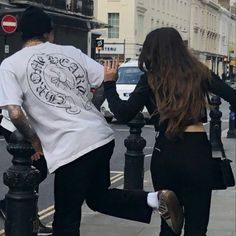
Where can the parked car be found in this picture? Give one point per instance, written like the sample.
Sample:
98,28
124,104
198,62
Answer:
128,77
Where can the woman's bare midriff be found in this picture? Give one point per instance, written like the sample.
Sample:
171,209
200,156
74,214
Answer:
198,127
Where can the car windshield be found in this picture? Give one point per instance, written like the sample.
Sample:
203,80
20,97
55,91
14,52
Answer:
128,75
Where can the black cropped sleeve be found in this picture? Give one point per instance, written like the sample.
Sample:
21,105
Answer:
125,111
223,90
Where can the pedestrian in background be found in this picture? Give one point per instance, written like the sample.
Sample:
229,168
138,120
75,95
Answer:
174,89
224,76
53,84
39,162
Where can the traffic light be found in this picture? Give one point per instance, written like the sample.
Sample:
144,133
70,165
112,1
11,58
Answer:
99,44
226,65
226,59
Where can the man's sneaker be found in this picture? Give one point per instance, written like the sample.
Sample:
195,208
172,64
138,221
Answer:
44,230
3,209
171,210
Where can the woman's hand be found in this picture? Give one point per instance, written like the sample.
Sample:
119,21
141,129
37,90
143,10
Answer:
110,70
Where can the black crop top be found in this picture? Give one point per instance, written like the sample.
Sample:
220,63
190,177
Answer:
142,96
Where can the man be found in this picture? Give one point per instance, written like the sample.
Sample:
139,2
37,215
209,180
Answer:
6,128
53,84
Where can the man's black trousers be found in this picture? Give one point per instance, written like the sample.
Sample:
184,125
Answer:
88,178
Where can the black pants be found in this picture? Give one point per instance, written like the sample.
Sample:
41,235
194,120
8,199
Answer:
40,164
182,166
88,178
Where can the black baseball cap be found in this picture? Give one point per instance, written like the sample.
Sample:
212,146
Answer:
34,22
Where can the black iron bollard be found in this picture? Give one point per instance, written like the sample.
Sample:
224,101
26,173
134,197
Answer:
232,127
134,156
215,123
21,199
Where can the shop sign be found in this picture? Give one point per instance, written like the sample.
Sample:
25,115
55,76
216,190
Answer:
112,49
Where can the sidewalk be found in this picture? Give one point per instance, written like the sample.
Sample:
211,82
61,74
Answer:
222,219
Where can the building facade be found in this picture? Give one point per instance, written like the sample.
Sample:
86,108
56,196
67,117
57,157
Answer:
207,27
130,21
73,21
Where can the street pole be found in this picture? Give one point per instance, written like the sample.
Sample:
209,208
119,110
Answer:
217,66
232,127
215,123
5,43
124,50
99,53
22,180
134,156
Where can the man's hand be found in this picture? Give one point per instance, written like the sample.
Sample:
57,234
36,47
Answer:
36,156
110,70
38,149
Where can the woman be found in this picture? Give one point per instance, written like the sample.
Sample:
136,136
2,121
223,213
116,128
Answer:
174,88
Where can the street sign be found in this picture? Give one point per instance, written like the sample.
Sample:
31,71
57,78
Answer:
99,44
9,24
6,49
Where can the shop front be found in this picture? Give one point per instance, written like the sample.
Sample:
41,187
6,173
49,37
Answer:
71,28
110,51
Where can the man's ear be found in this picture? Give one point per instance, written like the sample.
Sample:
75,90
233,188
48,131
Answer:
49,36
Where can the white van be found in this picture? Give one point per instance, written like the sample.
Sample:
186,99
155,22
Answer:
128,77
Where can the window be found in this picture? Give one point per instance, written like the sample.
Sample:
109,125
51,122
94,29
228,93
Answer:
129,75
113,22
140,26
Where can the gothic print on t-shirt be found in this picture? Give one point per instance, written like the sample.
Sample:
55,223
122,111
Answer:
59,81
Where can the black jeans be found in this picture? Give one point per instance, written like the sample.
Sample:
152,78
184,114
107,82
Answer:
88,178
182,166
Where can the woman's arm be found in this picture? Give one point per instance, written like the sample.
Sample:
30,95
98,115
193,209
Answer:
220,88
125,111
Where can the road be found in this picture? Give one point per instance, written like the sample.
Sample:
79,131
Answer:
117,164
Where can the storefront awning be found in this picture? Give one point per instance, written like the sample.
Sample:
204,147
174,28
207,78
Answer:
233,62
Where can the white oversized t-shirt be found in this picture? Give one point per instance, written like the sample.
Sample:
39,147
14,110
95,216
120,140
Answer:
52,83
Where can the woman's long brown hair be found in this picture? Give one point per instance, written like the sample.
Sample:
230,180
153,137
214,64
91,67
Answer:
178,80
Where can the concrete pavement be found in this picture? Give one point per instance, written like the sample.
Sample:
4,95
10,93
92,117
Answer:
222,219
